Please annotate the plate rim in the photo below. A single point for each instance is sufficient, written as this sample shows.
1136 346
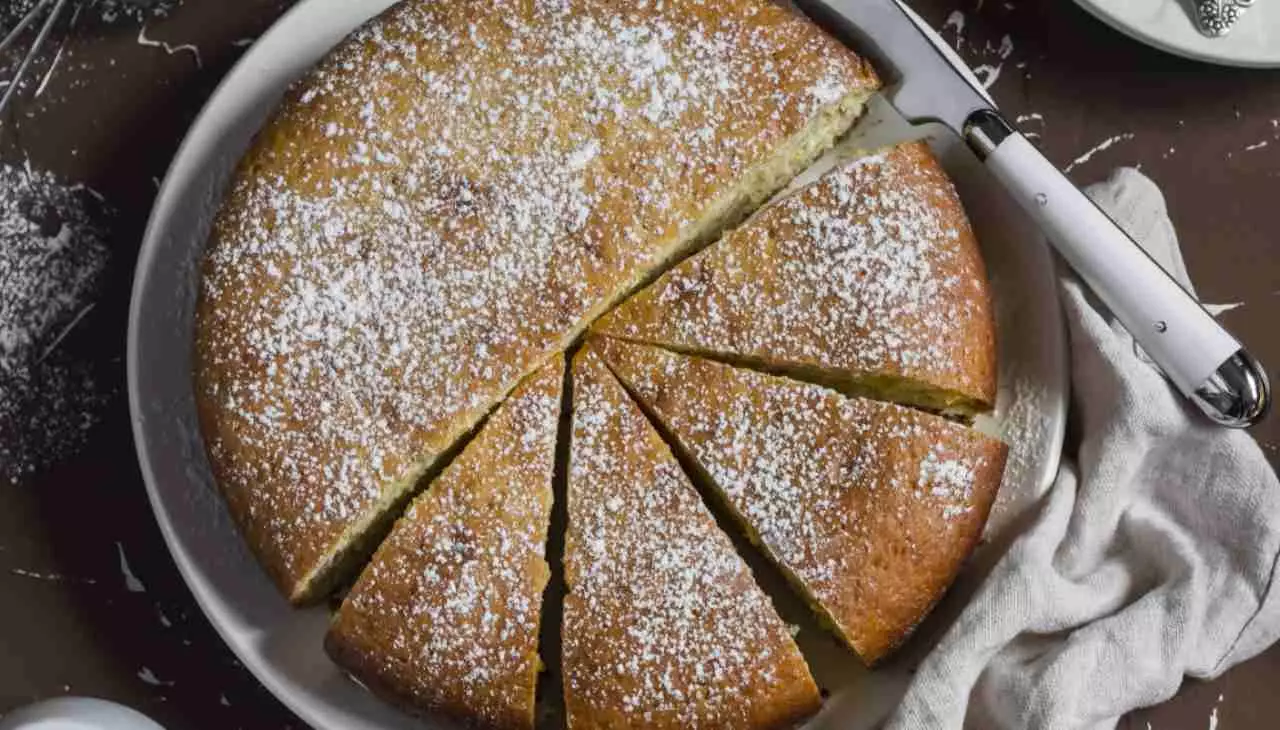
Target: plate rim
168 198
1101 9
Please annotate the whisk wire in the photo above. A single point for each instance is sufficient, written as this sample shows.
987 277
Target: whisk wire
16 80
27 19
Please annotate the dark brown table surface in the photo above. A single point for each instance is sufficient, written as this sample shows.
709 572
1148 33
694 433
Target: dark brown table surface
116 110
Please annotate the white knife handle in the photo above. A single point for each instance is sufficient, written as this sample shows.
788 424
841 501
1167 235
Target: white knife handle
1200 357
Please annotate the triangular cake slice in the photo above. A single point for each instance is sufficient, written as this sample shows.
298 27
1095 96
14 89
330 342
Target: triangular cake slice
869 280
870 508
664 625
446 616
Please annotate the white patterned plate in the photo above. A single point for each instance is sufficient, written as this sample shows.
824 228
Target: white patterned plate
1170 26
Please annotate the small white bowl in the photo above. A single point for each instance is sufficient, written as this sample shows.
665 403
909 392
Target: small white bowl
77 713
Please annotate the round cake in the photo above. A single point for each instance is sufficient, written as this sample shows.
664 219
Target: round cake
431 222
447 200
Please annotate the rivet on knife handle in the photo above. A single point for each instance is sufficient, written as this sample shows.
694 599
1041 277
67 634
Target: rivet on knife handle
927 84
1195 352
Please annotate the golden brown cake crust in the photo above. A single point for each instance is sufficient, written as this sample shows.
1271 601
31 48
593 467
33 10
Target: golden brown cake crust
664 626
445 618
437 207
872 271
870 507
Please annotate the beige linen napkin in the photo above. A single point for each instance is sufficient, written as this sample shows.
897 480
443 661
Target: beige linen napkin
1152 556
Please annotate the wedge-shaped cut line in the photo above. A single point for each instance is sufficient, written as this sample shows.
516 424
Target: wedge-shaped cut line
868 281
868 507
664 626
450 198
446 616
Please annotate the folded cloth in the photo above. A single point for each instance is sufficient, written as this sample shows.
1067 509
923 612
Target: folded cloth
1152 556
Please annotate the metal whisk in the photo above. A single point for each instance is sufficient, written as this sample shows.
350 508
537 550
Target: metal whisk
54 9
51 11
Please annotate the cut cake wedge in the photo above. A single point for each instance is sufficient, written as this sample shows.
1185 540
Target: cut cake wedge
664 625
446 617
868 507
869 281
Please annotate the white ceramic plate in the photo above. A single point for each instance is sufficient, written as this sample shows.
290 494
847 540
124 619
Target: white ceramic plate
1169 26
281 645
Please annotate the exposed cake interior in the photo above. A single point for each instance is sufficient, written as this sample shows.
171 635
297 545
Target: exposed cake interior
459 582
664 624
868 281
752 190
840 493
890 388
362 537
711 491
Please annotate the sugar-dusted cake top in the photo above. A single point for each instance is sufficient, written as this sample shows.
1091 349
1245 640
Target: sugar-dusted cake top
870 276
871 507
664 625
446 616
441 203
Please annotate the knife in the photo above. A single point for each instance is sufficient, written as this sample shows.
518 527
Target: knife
1195 353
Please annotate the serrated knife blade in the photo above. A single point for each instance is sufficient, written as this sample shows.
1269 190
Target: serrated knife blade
1196 353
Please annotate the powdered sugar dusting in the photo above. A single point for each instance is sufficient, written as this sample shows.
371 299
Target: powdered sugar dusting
52 257
455 592
498 171
170 48
131 582
663 624
1102 146
948 478
1025 428
842 492
956 21
148 676
871 269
